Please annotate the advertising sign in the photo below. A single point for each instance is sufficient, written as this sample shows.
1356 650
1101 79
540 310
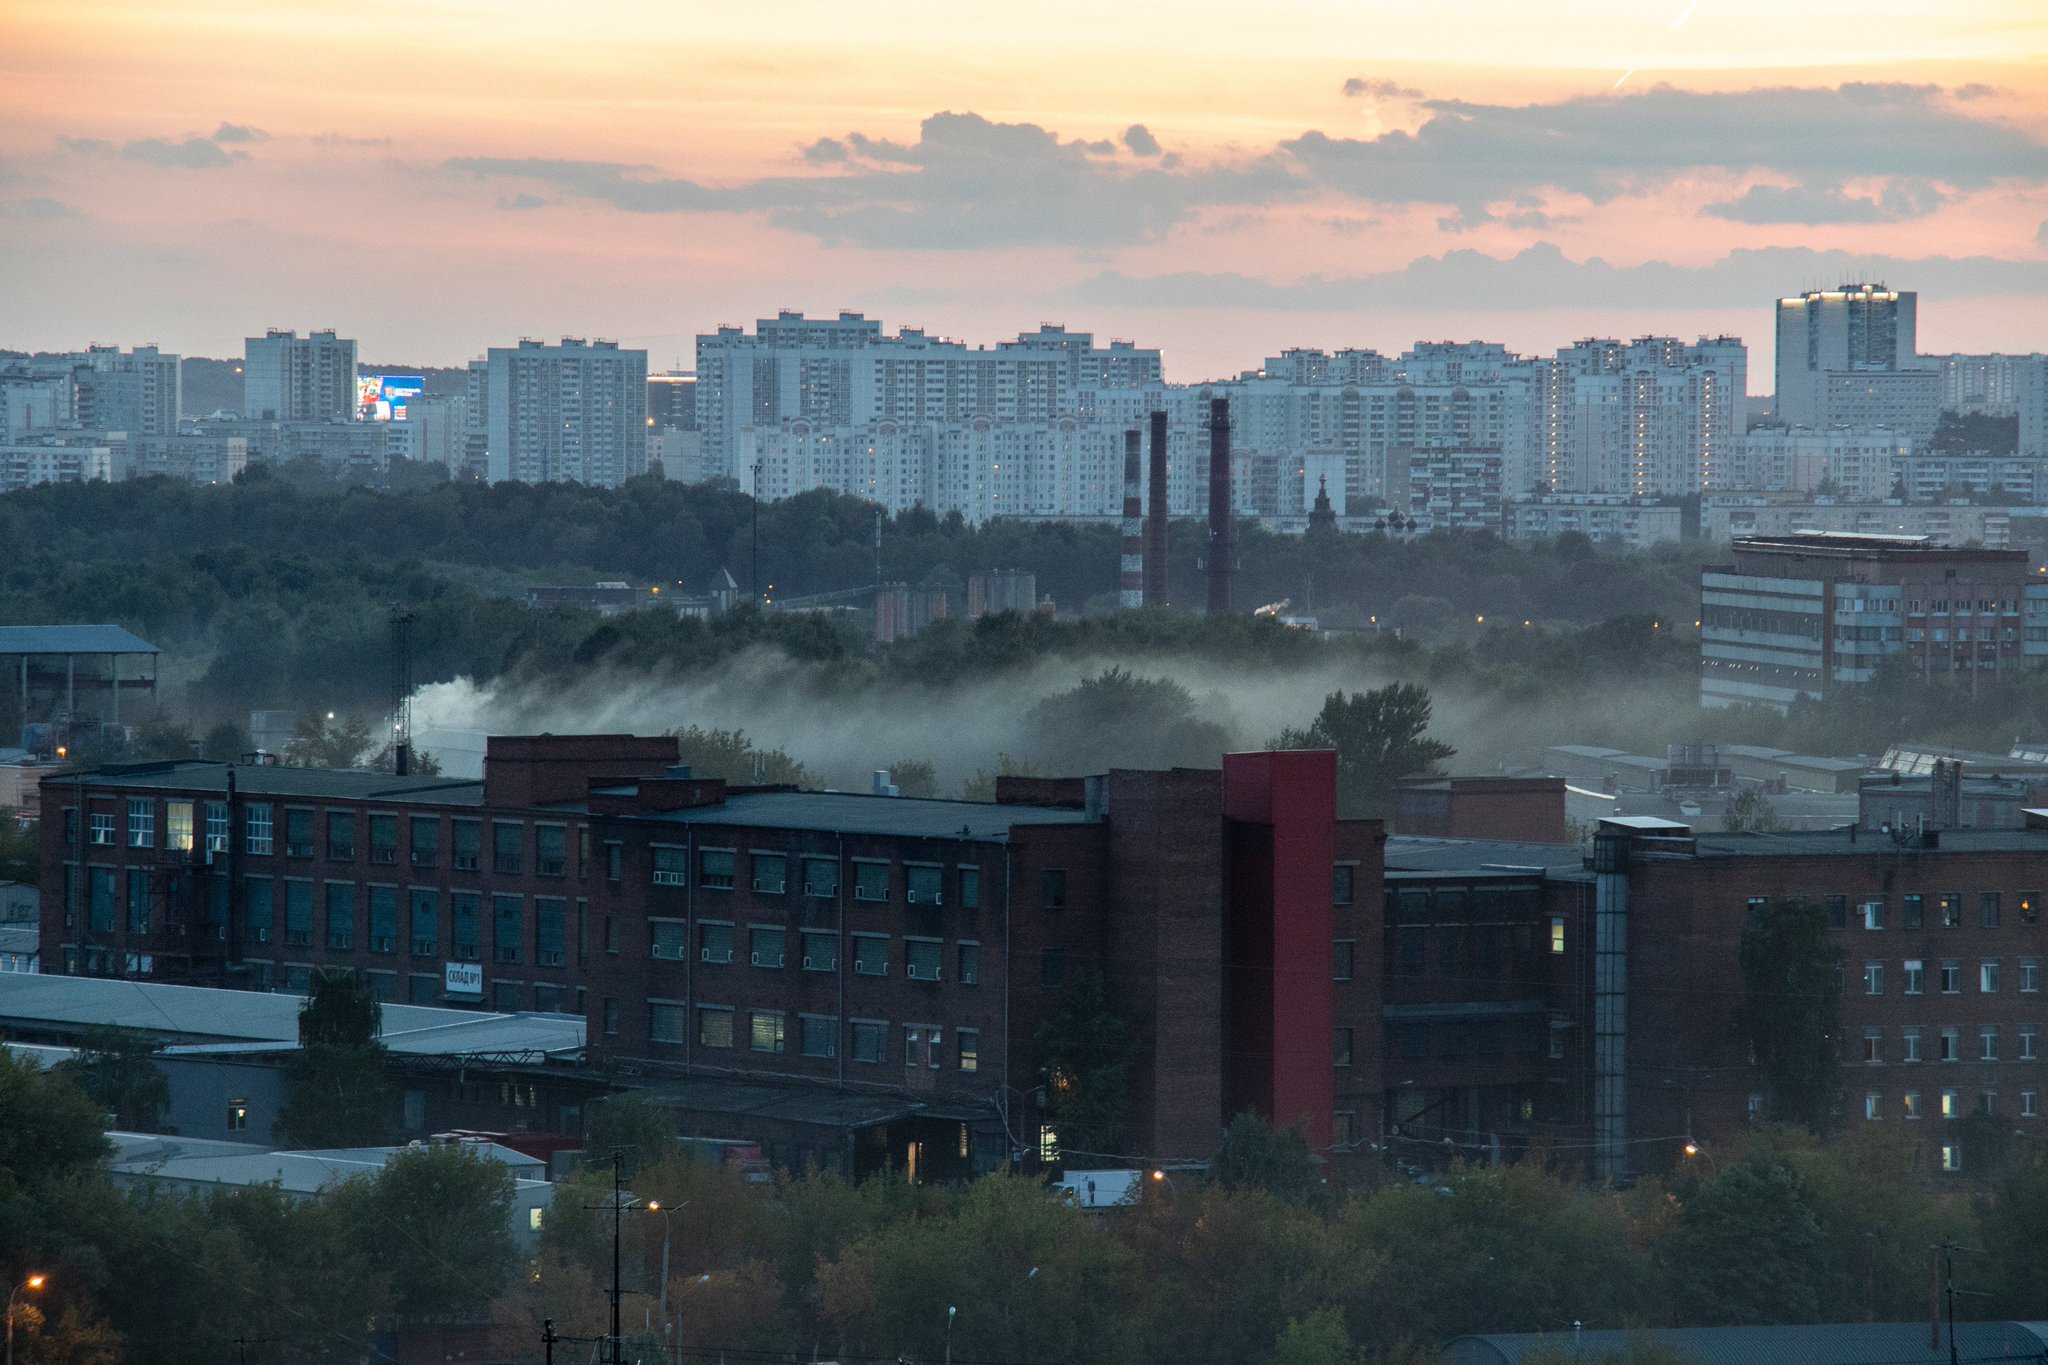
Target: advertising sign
464 978
383 397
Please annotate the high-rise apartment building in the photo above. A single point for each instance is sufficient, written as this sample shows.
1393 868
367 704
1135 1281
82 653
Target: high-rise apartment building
573 413
101 388
1846 357
289 378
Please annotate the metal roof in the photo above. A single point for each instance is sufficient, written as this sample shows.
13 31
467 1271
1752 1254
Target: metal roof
275 780
857 813
1408 853
194 1161
72 640
203 1019
1859 1343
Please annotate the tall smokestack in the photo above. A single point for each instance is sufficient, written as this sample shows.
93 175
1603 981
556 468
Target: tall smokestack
1219 506
1155 518
1131 580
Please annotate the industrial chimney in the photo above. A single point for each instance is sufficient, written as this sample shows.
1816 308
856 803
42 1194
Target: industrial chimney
1155 518
1131 576
1220 552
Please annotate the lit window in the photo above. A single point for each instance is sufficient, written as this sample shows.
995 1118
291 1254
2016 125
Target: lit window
1951 1105
1915 971
238 1116
1909 1104
1557 933
1951 1157
1873 914
1873 1105
1987 978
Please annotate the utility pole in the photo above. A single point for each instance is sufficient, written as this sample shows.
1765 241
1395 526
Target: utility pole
618 1213
754 573
547 1339
1948 1273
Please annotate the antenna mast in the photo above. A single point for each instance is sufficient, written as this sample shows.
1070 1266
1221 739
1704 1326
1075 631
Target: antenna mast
401 690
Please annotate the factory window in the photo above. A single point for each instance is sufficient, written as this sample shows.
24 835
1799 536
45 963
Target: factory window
1873 978
1342 959
2030 975
508 845
1951 909
138 901
298 914
871 881
1873 1105
1912 910
970 964
820 951
2030 1042
142 823
383 919
426 922
714 943
921 958
1987 1043
1987 978
611 1017
1837 910
341 836
1987 909
1909 1104
298 833
384 840
70 826
1873 1045
465 914
238 1116
821 877
669 938
551 930
256 902
1912 977
1343 879
1410 942
671 865
870 955
614 862
550 850
467 845
1910 1039
970 888
1556 934
100 829
1951 1044
970 1048
2030 1104
1344 1128
426 840
715 869
1341 1046
1052 888
341 917
767 946
820 1035
869 1037
1052 966
508 929
1951 977
765 1031
664 1022
771 874
714 1025
1873 913
178 826
2030 908
923 885
1951 1104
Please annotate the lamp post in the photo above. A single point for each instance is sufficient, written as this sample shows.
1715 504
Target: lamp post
951 1312
656 1206
32 1282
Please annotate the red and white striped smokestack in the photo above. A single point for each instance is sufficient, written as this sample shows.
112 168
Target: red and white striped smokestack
1220 551
1131 578
1155 518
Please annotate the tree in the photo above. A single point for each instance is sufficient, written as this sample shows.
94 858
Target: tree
1318 1339
438 1222
321 741
642 1128
1749 812
982 786
335 1091
914 777
1118 719
731 755
1380 737
2014 1220
1747 1248
48 1127
1256 1156
1087 1052
1790 1016
115 1067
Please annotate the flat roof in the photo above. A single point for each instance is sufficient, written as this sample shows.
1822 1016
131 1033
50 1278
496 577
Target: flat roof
1858 1343
276 780
72 640
1838 842
212 1162
859 813
1407 853
210 1019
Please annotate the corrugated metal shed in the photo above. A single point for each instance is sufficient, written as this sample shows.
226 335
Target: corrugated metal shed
16 640
1856 1343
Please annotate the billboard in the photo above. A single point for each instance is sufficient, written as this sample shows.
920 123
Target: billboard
383 397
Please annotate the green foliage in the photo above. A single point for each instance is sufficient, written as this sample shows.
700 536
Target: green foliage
21 852
644 1130
1749 811
115 1068
1318 1339
914 777
321 740
2013 1219
1790 1016
1087 1053
1118 719
982 786
1748 1247
336 1094
440 1220
49 1129
1255 1156
731 755
1380 737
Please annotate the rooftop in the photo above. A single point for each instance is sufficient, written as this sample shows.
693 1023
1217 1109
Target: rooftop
263 779
205 1162
859 813
1407 853
1859 1343
72 640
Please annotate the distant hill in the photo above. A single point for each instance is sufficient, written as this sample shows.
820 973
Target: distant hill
216 385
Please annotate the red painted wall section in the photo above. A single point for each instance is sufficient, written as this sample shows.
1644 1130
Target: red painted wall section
1283 906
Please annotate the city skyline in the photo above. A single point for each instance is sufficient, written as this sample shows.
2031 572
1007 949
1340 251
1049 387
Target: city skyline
1220 187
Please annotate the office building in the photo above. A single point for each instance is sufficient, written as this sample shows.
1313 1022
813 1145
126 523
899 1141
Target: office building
1733 516
1846 357
572 413
289 378
1805 615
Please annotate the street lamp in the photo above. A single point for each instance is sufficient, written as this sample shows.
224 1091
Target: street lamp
32 1282
951 1312
656 1206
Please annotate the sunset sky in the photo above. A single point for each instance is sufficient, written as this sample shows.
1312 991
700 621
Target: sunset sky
439 176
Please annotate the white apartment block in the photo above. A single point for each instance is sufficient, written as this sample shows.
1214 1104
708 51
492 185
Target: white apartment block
289 378
1847 357
572 413
1930 476
1608 518
1851 464
2030 402
195 458
1981 383
102 388
26 464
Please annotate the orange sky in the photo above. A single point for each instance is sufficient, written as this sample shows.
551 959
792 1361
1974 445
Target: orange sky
440 176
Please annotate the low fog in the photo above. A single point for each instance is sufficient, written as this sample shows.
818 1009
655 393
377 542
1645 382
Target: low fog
841 735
